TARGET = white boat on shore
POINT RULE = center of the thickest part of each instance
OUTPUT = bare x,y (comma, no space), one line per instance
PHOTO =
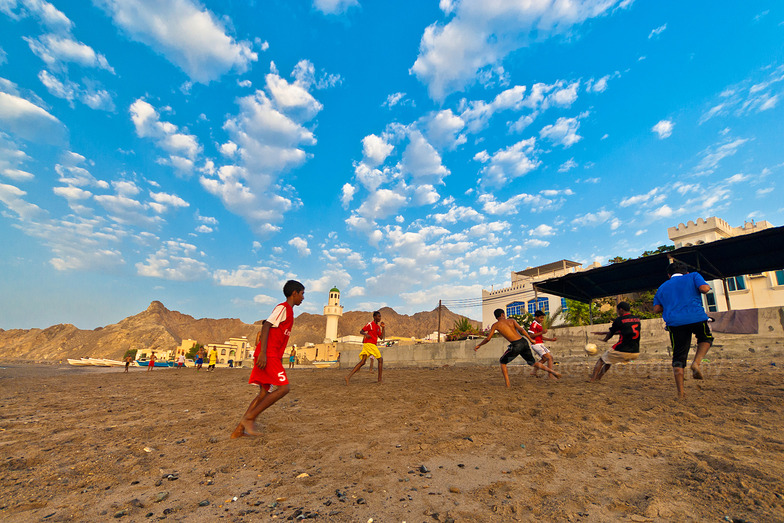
95,362
325,364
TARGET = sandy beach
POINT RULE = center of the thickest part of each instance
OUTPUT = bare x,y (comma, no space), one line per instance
440,444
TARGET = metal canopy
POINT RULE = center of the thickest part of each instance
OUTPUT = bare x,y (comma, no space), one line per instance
747,254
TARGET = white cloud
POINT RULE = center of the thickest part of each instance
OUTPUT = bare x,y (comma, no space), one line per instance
662,212
511,206
182,148
563,132
508,164
542,230
168,199
45,12
457,213
12,197
186,34
422,161
567,166
269,133
534,243
333,7
393,99
12,159
481,34
712,156
347,194
375,150
29,121
593,219
640,199
443,129
332,278
56,50
663,128
174,261
251,277
658,31
301,245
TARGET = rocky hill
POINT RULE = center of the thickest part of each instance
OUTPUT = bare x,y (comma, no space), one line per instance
159,328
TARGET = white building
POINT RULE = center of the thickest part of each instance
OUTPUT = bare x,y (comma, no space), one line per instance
333,310
750,291
520,297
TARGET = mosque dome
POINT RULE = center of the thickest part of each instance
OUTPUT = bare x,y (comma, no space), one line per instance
335,289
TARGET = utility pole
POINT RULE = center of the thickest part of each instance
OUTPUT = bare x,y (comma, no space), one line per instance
438,332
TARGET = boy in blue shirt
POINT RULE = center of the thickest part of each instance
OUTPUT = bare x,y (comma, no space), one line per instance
679,299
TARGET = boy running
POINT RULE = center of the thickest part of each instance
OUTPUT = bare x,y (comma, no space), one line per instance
627,326
371,332
511,330
268,366
537,331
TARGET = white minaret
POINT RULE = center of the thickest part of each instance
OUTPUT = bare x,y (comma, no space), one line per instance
333,311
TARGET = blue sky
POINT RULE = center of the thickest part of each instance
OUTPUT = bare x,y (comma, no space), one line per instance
202,153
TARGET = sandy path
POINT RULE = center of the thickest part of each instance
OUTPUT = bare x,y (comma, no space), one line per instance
72,446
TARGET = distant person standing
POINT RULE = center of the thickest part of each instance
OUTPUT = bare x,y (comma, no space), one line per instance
128,361
537,331
181,361
268,366
371,333
199,360
151,363
292,357
213,359
679,299
628,347
516,335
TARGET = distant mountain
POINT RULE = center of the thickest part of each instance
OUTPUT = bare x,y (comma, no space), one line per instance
159,328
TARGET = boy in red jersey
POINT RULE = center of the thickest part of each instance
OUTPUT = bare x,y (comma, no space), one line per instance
371,332
537,332
268,366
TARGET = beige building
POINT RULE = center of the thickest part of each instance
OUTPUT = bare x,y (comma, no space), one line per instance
749,291
521,297
235,349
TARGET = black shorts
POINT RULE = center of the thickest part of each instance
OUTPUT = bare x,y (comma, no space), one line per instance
680,339
518,348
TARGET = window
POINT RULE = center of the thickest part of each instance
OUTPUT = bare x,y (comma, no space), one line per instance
517,307
736,283
710,298
564,307
780,277
542,304
223,352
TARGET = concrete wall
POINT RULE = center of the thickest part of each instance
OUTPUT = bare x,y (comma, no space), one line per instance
654,345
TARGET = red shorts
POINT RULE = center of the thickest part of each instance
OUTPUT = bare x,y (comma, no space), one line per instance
271,374
151,364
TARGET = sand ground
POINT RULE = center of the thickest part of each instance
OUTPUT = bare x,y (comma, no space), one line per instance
436,444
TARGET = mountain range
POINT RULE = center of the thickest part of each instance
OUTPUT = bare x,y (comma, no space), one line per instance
159,328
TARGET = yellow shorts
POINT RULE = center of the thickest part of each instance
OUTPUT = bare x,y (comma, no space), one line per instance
368,349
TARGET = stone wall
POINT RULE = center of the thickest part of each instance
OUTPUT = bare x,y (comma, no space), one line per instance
654,345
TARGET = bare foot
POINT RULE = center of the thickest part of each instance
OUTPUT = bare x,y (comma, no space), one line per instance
533,374
696,373
238,432
556,374
346,378
249,429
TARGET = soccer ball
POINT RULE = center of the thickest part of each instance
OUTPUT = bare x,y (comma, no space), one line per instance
590,349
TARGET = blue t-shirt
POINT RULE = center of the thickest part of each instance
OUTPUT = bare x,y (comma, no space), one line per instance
681,299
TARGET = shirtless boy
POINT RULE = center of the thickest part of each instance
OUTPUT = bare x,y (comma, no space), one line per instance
512,331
